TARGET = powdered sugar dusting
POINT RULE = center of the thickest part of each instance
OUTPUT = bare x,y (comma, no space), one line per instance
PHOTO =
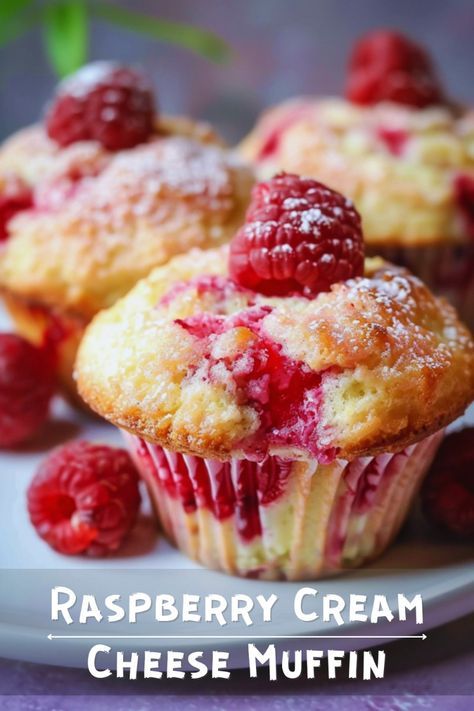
292,203
312,218
136,183
80,83
380,334
386,320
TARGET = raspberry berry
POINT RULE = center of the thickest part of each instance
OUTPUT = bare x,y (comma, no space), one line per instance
84,498
299,236
26,387
14,197
103,102
386,66
448,492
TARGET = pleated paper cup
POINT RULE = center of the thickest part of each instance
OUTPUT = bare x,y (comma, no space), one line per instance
282,519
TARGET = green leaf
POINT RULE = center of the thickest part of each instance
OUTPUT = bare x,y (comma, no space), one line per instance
65,32
10,8
200,41
14,19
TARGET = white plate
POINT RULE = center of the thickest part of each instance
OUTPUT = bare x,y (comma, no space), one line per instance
419,562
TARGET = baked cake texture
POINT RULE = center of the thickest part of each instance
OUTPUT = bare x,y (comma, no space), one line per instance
399,164
31,155
104,189
280,437
400,148
86,241
99,221
185,373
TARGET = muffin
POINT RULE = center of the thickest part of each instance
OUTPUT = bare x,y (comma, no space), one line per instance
400,149
282,398
98,195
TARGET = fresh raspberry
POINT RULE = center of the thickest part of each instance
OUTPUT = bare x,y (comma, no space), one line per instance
386,66
14,197
448,493
104,102
299,236
84,498
26,388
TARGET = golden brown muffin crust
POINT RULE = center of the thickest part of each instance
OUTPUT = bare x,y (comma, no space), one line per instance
32,156
86,243
398,164
395,363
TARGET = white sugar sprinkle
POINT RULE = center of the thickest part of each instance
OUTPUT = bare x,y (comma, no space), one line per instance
80,83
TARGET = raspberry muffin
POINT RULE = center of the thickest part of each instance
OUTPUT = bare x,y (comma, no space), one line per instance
400,149
99,194
263,388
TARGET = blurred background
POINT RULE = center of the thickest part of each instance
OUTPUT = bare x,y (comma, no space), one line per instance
280,48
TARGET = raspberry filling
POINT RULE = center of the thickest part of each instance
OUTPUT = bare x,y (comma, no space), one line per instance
284,392
272,140
17,197
394,139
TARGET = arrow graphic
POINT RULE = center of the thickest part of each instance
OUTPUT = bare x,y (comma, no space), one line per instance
236,636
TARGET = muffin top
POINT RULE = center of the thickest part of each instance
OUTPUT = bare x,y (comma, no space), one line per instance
33,157
409,171
87,240
106,188
395,145
193,361
283,343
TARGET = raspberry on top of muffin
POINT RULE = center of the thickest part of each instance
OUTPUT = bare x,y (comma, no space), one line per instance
100,193
103,108
283,344
387,66
111,189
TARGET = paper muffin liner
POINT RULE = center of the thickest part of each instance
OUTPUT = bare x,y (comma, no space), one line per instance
448,270
282,519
